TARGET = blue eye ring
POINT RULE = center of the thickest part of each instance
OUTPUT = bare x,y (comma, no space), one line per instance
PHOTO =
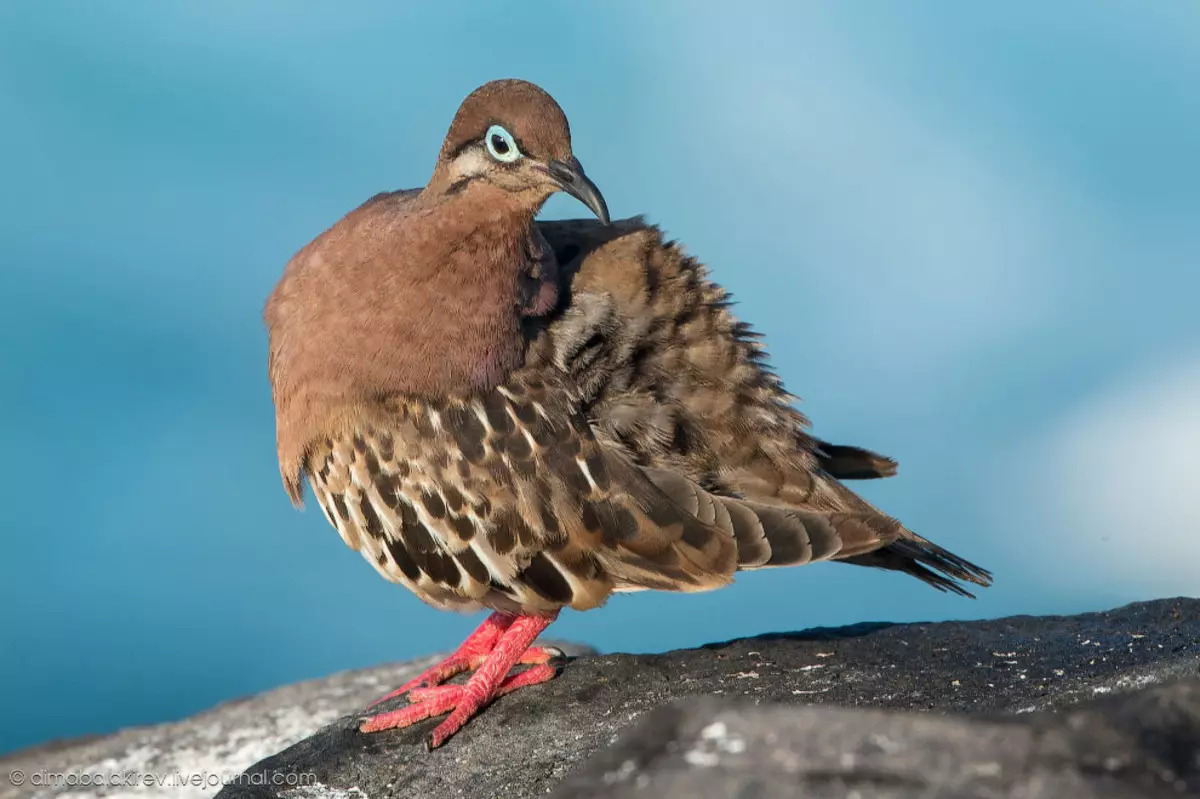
501,145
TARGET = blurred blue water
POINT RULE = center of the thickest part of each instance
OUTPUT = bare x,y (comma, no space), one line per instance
954,223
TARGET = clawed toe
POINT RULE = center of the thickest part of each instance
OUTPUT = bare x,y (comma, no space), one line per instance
542,654
500,643
460,701
435,693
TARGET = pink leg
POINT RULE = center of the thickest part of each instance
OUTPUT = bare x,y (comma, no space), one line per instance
489,681
468,655
538,674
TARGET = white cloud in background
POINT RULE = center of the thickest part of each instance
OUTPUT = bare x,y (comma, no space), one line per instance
1114,490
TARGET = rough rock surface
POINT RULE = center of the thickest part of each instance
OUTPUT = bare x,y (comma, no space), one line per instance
527,743
1145,744
809,713
189,759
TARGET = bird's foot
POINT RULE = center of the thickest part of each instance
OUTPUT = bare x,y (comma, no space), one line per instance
462,702
500,643
471,654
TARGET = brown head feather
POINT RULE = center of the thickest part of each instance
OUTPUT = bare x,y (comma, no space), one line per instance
527,111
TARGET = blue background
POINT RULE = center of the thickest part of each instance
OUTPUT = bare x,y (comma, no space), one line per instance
968,231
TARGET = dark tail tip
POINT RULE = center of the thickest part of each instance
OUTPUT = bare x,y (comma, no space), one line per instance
939,567
927,562
853,463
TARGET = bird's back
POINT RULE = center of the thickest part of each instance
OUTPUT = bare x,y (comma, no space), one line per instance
663,368
668,376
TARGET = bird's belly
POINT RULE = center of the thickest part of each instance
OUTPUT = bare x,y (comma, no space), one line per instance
417,516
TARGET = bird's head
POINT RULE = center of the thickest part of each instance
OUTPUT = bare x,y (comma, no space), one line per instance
512,135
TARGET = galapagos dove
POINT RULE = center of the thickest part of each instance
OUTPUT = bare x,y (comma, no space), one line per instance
526,416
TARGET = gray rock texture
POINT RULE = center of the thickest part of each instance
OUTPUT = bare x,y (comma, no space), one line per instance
191,758
998,675
219,742
1144,744
1097,705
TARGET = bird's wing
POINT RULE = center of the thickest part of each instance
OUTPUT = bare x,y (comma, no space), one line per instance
668,376
662,366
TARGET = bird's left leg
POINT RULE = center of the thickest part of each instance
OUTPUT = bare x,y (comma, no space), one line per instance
489,681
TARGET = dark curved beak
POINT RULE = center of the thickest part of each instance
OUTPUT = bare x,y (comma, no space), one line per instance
571,179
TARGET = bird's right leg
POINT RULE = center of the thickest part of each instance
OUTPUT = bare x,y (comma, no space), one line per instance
470,655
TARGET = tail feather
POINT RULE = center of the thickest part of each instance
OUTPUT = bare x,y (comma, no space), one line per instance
852,463
843,528
900,549
926,561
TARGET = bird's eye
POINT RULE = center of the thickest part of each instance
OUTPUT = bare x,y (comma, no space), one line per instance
501,145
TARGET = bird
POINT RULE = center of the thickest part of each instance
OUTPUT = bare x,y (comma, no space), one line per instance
520,416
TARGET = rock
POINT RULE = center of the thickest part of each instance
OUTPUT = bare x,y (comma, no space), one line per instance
527,743
221,741
804,704
1141,745
189,759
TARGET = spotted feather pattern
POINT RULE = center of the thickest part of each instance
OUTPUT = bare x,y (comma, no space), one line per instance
506,500
669,376
645,444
